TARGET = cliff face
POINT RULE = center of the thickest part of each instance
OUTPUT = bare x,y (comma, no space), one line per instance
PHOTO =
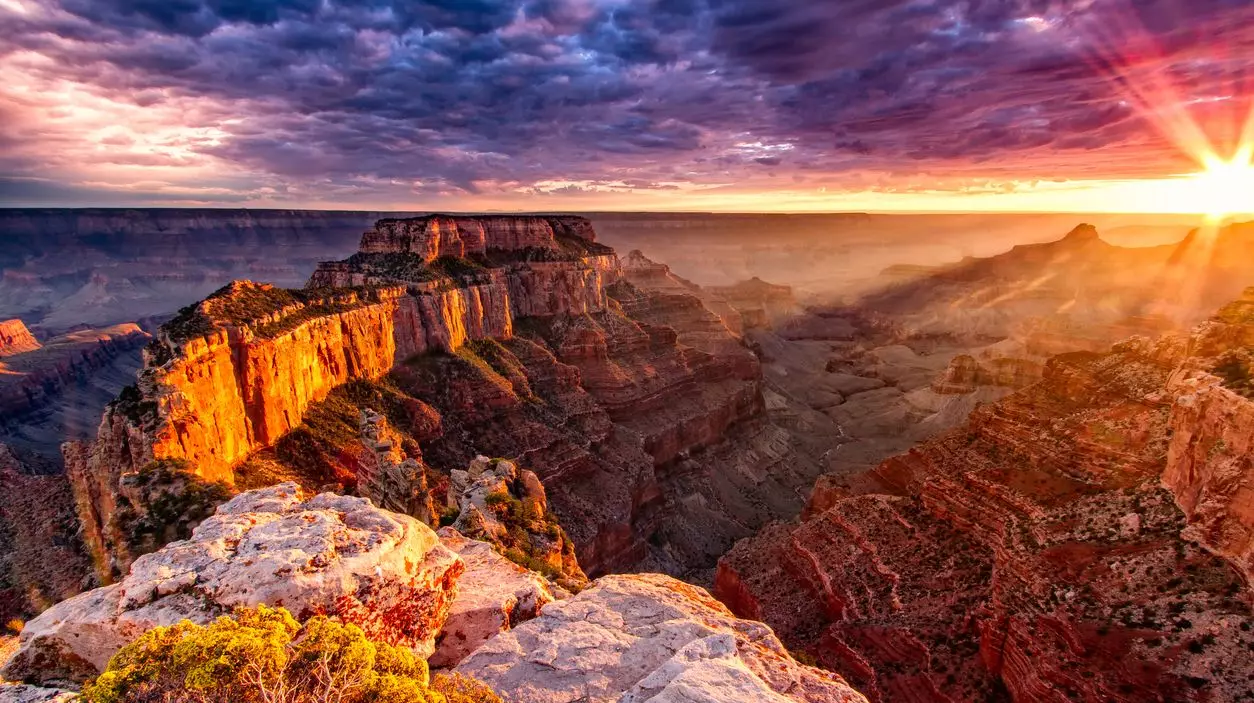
629,404
1210,461
15,338
1084,539
244,384
442,235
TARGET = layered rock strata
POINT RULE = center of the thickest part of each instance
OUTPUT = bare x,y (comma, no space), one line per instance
32,378
1063,545
647,638
328,554
629,403
15,338
234,373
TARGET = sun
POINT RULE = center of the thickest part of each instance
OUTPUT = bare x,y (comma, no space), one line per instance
1225,188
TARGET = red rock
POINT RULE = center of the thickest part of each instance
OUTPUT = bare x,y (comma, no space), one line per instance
15,338
1034,548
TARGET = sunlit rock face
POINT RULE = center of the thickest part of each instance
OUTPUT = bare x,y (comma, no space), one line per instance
15,338
1084,539
647,638
325,554
522,339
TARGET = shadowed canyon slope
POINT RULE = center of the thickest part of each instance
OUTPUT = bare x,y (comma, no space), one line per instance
1086,538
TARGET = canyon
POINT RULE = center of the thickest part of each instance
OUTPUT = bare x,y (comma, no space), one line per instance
506,336
1018,477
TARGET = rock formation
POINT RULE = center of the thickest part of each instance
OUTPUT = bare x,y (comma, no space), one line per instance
627,638
1083,539
966,374
494,595
497,502
512,337
646,638
15,338
389,477
327,554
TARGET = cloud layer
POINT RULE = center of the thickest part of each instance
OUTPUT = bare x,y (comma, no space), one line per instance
497,101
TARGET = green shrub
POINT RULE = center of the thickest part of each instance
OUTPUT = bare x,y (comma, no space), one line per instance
262,655
175,500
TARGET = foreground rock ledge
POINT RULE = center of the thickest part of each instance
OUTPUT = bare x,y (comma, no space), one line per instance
647,638
329,554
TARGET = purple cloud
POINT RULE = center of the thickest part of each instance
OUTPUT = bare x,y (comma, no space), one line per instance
451,96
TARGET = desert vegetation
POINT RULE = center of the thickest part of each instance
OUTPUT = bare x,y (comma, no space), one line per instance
263,655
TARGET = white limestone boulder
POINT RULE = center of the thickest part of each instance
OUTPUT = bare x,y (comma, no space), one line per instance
651,638
494,595
328,554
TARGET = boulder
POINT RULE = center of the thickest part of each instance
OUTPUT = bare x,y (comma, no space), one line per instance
646,638
328,554
494,595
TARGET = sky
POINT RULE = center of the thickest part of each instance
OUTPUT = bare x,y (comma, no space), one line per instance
721,105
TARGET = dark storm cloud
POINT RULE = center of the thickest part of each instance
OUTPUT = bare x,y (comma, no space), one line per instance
457,93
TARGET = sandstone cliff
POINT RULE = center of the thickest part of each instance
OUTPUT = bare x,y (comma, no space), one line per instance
15,338
511,337
1084,539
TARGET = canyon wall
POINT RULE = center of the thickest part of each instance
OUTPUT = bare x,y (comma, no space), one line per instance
1087,538
31,379
639,409
15,338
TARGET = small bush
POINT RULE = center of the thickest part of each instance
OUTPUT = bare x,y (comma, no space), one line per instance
263,655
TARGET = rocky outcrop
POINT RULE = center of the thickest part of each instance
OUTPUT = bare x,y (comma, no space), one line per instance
494,595
1210,459
499,503
646,638
965,374
327,554
1064,544
389,477
15,338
